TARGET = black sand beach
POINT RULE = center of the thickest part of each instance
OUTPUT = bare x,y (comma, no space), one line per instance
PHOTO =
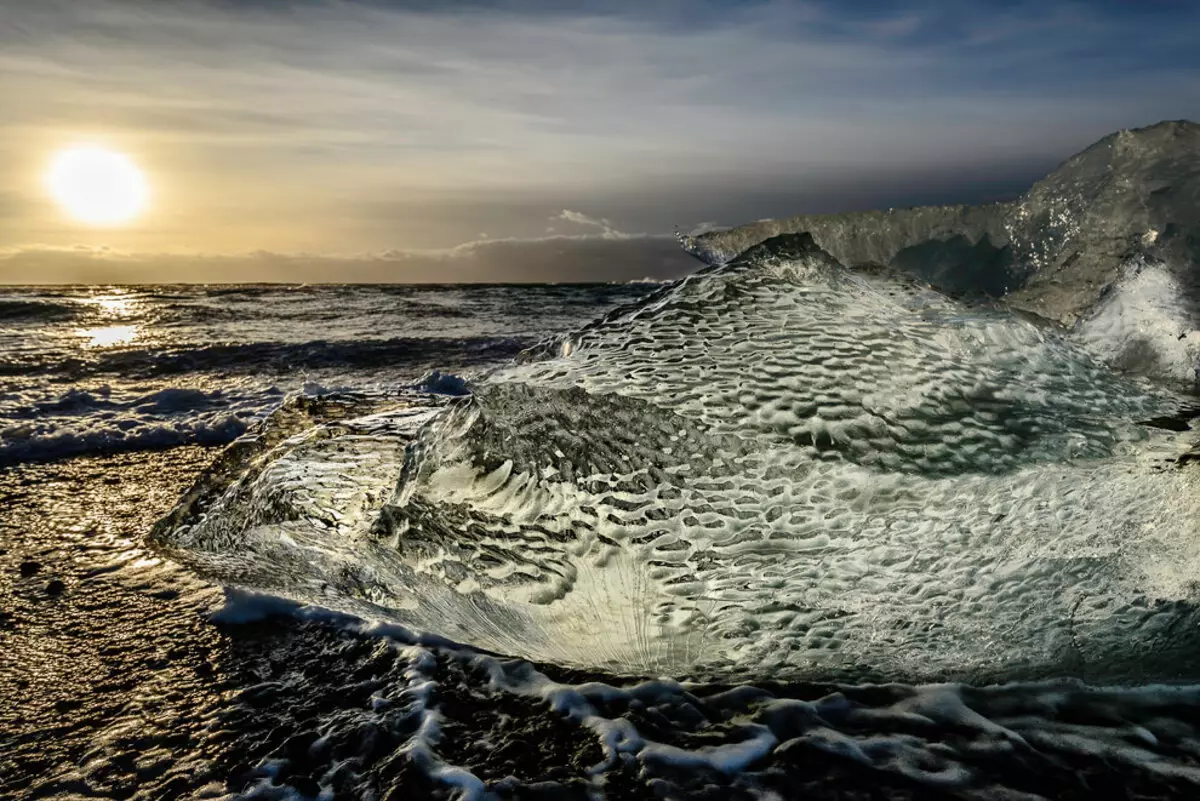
120,686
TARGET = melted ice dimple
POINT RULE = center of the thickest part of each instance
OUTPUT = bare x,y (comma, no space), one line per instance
777,467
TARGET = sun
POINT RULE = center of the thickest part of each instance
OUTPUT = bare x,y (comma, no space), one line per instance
97,186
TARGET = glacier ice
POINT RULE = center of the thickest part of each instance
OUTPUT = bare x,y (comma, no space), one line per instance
777,467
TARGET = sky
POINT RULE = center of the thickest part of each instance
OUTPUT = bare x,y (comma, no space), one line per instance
396,140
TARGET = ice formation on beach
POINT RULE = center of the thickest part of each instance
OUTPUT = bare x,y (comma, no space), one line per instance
866,513
777,467
1028,740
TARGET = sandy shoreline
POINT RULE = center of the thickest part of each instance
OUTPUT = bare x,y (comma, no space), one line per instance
96,640
122,687
117,685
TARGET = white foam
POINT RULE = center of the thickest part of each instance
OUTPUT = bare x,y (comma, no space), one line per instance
57,439
244,606
946,737
729,758
103,419
440,383
1144,326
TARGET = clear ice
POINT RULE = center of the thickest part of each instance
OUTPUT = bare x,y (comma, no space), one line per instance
776,468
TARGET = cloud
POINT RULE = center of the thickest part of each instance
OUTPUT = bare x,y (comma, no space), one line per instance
553,259
328,125
579,218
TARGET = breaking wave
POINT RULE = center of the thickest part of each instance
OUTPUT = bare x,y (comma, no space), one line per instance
35,311
267,357
98,421
777,467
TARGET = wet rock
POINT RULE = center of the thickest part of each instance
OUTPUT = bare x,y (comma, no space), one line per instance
67,704
242,775
298,746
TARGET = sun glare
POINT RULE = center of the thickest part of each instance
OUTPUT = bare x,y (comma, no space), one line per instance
109,336
97,186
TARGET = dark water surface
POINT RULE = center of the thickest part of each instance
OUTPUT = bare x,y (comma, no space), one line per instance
104,369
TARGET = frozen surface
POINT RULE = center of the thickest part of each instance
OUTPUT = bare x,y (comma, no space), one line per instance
778,467
118,686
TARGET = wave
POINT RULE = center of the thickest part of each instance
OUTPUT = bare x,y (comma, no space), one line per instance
415,353
21,444
96,421
777,467
35,311
78,401
82,421
190,313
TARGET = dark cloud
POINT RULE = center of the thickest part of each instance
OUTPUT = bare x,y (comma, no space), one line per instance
546,260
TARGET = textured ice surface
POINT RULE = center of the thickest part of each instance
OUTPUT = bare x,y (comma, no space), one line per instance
777,467
117,688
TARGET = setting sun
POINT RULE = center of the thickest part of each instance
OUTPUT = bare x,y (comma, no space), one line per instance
97,186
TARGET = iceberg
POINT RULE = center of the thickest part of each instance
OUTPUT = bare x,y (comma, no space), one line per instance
779,467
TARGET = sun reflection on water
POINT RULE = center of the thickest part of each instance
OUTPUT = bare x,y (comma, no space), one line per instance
110,306
113,304
109,336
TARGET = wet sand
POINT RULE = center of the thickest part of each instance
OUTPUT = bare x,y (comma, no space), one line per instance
119,686
116,684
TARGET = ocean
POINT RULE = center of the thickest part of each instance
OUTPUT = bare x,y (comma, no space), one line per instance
778,530
87,370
